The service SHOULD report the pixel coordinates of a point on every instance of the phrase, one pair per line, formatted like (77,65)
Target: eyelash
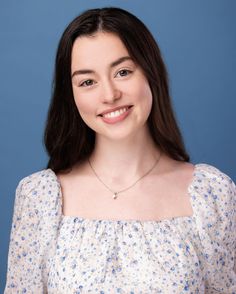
(122,70)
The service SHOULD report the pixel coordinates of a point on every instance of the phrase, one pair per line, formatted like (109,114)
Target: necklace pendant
(115,195)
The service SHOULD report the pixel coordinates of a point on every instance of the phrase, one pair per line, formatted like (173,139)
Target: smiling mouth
(115,113)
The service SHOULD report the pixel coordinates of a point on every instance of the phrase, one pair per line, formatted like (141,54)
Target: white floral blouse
(52,253)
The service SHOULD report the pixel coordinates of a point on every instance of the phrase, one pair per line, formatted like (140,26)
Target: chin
(119,135)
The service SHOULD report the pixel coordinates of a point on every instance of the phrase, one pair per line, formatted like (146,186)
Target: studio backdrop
(198,42)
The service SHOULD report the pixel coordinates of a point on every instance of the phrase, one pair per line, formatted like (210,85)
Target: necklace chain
(129,187)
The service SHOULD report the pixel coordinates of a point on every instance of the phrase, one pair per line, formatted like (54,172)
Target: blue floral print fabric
(52,253)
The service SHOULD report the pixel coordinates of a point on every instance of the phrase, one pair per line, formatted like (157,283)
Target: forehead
(100,48)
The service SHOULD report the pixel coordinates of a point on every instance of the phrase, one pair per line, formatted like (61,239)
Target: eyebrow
(113,64)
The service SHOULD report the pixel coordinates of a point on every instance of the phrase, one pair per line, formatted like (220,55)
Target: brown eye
(124,72)
(86,83)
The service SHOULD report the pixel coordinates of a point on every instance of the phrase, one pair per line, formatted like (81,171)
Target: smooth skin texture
(109,86)
(104,77)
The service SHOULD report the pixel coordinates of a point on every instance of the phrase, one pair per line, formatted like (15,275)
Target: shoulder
(211,171)
(206,175)
(39,190)
(213,191)
(42,179)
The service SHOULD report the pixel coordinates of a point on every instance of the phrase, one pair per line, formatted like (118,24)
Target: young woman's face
(111,92)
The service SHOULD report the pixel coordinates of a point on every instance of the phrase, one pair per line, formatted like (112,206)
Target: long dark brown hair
(68,140)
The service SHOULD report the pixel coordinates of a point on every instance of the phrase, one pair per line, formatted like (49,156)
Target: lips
(117,116)
(114,109)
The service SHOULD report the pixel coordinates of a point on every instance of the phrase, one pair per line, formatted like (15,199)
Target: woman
(119,209)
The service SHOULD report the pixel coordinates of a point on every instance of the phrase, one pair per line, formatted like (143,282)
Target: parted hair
(68,140)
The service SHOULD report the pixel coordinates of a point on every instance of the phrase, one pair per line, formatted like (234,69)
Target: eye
(87,83)
(124,72)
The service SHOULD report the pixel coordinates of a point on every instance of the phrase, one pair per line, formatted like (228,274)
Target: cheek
(145,97)
(85,108)
(83,104)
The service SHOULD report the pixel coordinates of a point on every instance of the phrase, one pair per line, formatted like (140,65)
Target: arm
(23,273)
(221,273)
(36,218)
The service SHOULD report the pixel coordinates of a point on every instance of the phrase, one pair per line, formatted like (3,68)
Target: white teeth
(115,113)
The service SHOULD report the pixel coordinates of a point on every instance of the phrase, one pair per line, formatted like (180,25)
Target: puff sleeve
(33,234)
(217,226)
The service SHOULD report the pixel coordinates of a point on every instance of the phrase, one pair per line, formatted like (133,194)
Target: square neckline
(78,218)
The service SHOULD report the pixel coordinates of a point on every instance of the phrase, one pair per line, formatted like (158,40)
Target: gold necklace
(115,194)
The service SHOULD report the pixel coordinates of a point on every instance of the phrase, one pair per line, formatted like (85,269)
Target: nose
(109,92)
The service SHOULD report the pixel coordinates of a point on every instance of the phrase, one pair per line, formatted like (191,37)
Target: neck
(123,161)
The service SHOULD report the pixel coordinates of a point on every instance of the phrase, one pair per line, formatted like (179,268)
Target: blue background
(198,42)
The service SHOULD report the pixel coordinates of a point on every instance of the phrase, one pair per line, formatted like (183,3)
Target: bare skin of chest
(153,198)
